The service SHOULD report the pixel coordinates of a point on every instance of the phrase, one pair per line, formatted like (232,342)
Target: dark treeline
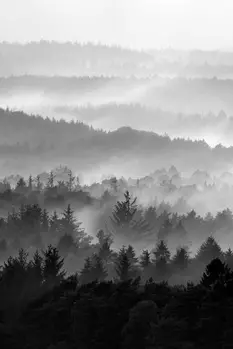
(24,138)
(116,300)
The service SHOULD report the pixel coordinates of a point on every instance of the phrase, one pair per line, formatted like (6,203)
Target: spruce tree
(50,182)
(38,184)
(45,221)
(70,226)
(181,258)
(71,180)
(161,251)
(216,272)
(124,211)
(53,264)
(86,274)
(54,223)
(123,266)
(99,271)
(145,259)
(30,183)
(209,250)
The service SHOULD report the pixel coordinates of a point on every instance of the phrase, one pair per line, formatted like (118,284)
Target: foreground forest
(116,299)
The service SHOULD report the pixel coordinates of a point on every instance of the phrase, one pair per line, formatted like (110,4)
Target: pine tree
(145,259)
(124,211)
(216,272)
(36,265)
(228,257)
(30,183)
(50,183)
(45,221)
(99,271)
(53,264)
(86,274)
(71,181)
(132,255)
(209,250)
(105,252)
(181,258)
(161,251)
(54,223)
(21,186)
(38,184)
(123,266)
(70,226)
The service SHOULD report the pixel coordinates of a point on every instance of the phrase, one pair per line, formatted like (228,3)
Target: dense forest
(110,297)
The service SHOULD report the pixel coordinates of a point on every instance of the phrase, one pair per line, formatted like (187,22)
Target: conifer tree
(209,250)
(123,266)
(145,259)
(181,258)
(50,183)
(71,180)
(30,182)
(86,274)
(38,184)
(45,221)
(70,226)
(216,272)
(161,251)
(131,255)
(98,269)
(53,264)
(54,223)
(124,211)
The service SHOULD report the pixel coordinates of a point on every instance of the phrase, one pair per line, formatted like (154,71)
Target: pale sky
(186,24)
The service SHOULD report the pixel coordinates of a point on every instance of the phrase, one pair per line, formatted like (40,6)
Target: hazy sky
(204,24)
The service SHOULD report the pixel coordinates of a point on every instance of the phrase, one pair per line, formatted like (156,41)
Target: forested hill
(33,136)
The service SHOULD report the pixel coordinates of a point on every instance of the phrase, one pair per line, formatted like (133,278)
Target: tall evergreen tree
(53,265)
(145,259)
(86,274)
(71,181)
(38,184)
(99,270)
(161,251)
(54,223)
(124,211)
(45,221)
(209,250)
(181,258)
(30,183)
(50,183)
(70,226)
(123,266)
(216,272)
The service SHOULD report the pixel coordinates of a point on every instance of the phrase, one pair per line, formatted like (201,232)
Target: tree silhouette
(181,258)
(216,272)
(161,251)
(70,226)
(123,266)
(86,274)
(98,269)
(209,250)
(53,264)
(124,211)
(145,259)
